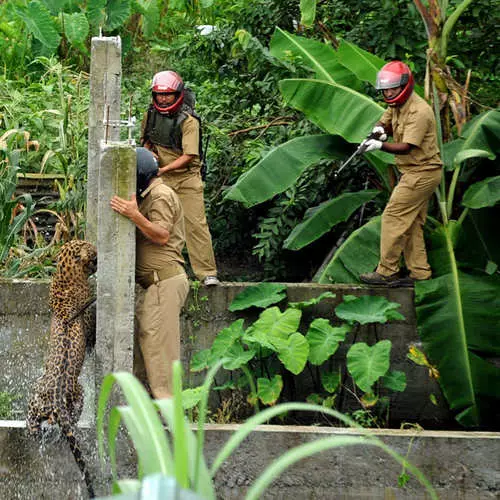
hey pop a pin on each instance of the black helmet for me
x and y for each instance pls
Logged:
(147, 169)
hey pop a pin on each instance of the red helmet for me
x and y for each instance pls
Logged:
(166, 82)
(392, 75)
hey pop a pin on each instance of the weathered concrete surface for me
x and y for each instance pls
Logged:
(24, 320)
(460, 465)
(104, 105)
(115, 263)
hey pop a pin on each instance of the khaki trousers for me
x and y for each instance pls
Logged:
(157, 313)
(189, 188)
(403, 222)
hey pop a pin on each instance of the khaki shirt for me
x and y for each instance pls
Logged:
(160, 205)
(190, 128)
(414, 123)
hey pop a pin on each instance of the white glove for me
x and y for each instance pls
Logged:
(371, 145)
(380, 131)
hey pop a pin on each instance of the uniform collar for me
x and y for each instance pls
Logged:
(152, 184)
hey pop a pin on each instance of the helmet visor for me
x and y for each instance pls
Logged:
(389, 80)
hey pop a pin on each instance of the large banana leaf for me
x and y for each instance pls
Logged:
(333, 107)
(459, 321)
(481, 134)
(358, 254)
(321, 219)
(362, 63)
(485, 193)
(282, 166)
(321, 58)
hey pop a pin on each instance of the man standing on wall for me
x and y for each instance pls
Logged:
(411, 123)
(157, 213)
(173, 135)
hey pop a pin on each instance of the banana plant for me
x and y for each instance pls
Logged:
(331, 98)
(459, 310)
(457, 331)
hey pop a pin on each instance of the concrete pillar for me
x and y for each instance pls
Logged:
(116, 263)
(105, 81)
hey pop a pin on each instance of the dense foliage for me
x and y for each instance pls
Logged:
(236, 82)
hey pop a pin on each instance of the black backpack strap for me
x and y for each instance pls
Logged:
(149, 125)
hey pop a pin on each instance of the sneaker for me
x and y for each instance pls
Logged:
(211, 281)
(379, 279)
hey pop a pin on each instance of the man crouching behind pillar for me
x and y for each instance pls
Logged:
(157, 213)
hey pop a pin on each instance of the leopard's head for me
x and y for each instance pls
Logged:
(77, 255)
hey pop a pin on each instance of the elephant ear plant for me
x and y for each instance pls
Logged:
(172, 464)
(272, 355)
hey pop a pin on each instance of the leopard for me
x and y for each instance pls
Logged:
(58, 396)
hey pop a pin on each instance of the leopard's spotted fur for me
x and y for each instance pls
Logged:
(58, 396)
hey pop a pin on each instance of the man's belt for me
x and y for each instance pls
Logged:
(168, 271)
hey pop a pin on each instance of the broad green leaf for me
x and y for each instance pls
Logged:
(458, 317)
(314, 399)
(329, 401)
(334, 108)
(191, 397)
(96, 13)
(225, 339)
(313, 301)
(358, 254)
(199, 361)
(282, 166)
(330, 381)
(293, 352)
(150, 10)
(55, 6)
(368, 309)
(324, 339)
(261, 295)
(327, 215)
(466, 154)
(369, 399)
(485, 193)
(236, 356)
(360, 62)
(367, 364)
(321, 58)
(491, 267)
(395, 381)
(482, 132)
(307, 12)
(118, 11)
(76, 27)
(269, 391)
(41, 24)
(274, 325)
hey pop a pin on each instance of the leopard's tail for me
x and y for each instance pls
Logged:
(79, 459)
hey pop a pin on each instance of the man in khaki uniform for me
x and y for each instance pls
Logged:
(173, 135)
(160, 272)
(410, 121)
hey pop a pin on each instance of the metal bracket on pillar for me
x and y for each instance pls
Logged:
(129, 124)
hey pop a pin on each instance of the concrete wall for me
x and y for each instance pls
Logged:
(24, 324)
(460, 466)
